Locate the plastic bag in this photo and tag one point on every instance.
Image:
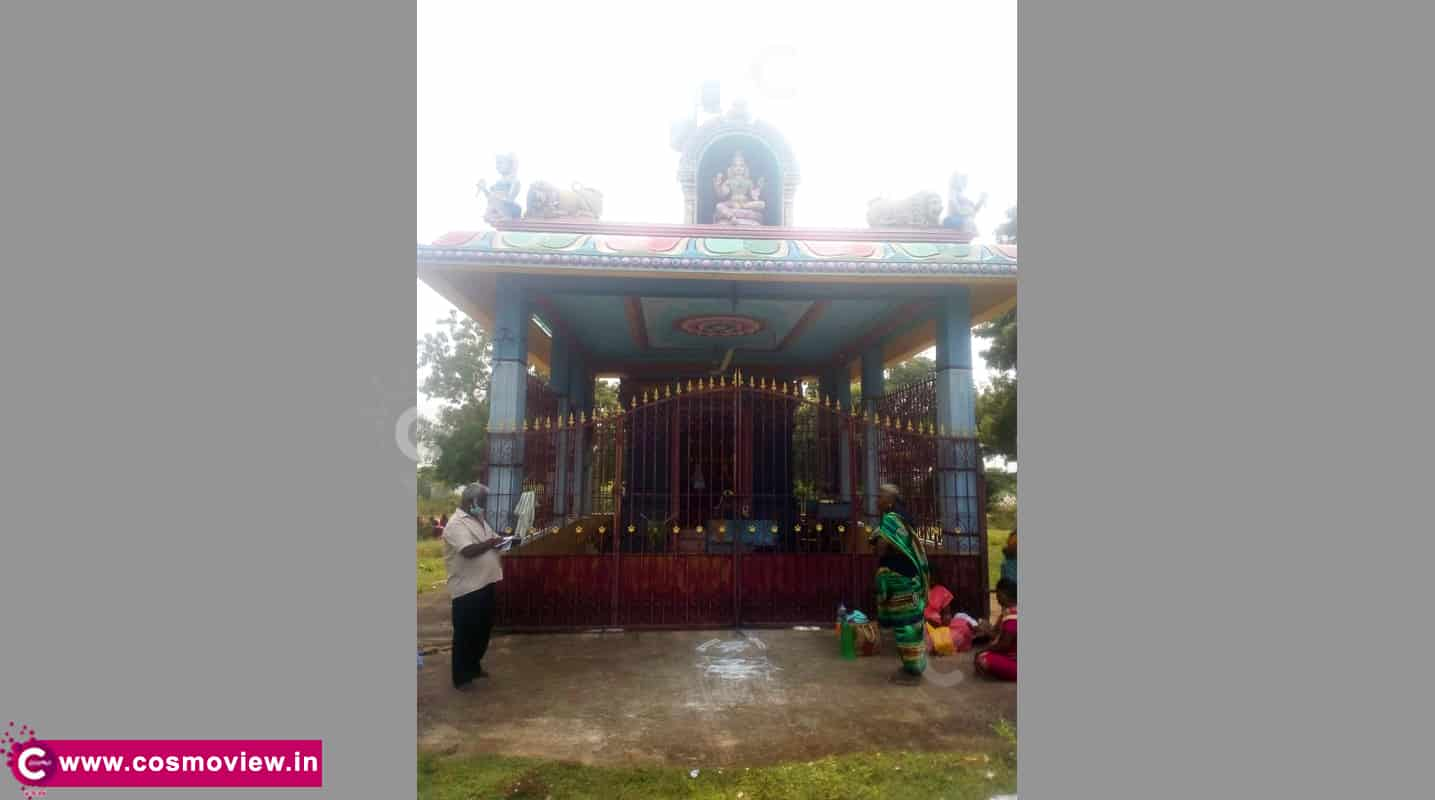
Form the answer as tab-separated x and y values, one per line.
940	638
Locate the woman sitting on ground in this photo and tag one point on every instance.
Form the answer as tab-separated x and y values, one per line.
998	659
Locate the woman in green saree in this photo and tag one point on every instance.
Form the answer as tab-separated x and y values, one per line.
903	579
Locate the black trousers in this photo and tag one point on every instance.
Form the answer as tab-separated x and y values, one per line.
472	623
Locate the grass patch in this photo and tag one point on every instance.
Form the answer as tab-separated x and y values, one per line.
432	574
976	776
996	540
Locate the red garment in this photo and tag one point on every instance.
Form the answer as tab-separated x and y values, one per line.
997	665
961	635
938	598
1002	664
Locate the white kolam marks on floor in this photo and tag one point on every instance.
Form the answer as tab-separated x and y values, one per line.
734	672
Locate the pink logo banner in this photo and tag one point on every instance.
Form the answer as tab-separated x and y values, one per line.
167	763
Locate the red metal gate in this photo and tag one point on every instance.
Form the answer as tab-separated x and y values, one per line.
735	500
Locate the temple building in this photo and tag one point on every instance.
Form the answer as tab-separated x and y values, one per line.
736	483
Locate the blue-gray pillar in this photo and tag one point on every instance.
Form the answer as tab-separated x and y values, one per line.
507	392
577	395
589	391
558	377
957	461
842	392
873	386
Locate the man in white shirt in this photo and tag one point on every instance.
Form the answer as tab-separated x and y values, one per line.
470	553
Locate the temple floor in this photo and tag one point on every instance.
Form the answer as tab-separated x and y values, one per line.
695	698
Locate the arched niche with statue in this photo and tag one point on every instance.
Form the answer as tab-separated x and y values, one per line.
735	171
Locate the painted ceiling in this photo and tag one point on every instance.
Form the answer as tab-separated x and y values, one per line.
703	328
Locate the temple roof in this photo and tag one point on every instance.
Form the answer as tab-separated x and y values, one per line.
818	253
885	273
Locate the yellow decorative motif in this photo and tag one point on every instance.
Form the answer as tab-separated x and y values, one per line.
819	527
841	528
676	529
602	528
700	529
632	528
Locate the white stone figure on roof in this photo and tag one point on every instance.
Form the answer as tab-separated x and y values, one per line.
961	212
739	196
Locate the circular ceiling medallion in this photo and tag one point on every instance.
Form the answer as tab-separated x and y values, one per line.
719	325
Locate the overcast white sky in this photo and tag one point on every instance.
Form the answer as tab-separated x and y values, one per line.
875	101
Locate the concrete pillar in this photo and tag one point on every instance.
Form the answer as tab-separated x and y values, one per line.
842	391
957	462
873	386
578	439
589	390
508	393
558	381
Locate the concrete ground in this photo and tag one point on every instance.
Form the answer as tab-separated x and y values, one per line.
695	698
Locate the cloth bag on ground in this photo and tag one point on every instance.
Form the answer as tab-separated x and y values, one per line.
869	638
940	638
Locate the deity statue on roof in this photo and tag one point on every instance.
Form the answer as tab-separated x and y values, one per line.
739	196
503	194
961	212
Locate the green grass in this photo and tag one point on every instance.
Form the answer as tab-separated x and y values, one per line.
869	775
432	575
996	540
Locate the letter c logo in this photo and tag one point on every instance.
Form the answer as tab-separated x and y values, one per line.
22	763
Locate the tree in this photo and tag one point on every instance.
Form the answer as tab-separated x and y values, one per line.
900	376
996	417
996	404
909	373
458	360
605	396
